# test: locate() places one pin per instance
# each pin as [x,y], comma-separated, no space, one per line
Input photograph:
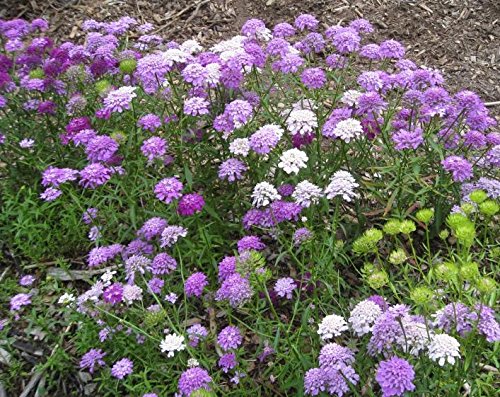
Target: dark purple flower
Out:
[395,377]
[194,284]
[113,294]
[250,243]
[190,204]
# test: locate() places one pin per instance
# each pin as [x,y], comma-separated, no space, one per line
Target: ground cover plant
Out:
[292,211]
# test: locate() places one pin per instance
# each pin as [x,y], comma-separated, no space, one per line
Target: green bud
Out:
[489,207]
[469,271]
[363,245]
[392,227]
[249,261]
[377,279]
[478,196]
[486,285]
[37,74]
[494,253]
[407,227]
[398,256]
[421,296]
[444,234]
[467,208]
[446,271]
[262,275]
[425,215]
[127,66]
[203,393]
[456,220]
[466,234]
[118,136]
[152,319]
[102,86]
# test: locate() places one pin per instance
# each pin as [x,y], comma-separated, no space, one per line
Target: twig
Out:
[4,273]
[495,103]
[171,19]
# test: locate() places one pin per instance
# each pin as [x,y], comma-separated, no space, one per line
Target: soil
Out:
[459,37]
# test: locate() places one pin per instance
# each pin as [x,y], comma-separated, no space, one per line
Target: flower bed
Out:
[288,212]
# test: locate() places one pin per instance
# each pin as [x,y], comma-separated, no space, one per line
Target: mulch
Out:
[459,37]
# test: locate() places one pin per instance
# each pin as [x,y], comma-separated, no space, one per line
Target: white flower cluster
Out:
[264,194]
[351,97]
[306,193]
[172,343]
[191,47]
[66,299]
[131,293]
[444,348]
[301,121]
[415,336]
[363,317]
[293,160]
[342,184]
[240,147]
[331,326]
[348,129]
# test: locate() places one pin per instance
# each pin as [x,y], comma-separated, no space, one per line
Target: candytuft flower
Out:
[172,343]
[331,326]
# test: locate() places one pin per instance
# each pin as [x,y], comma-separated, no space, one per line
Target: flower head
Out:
[172,343]
[444,348]
[395,377]
[331,326]
[122,368]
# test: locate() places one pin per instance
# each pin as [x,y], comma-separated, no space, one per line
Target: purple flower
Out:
[18,301]
[193,379]
[94,175]
[100,255]
[455,316]
[232,170]
[227,362]
[346,40]
[392,49]
[155,285]
[163,264]
[113,294]
[235,289]
[101,148]
[168,190]
[265,138]
[226,267]
[301,235]
[195,333]
[122,368]
[152,228]
[335,356]
[361,25]
[91,359]
[313,78]
[289,63]
[195,284]
[196,106]
[395,377]
[239,112]
[283,30]
[306,21]
[27,280]
[229,338]
[120,99]
[150,122]
[56,176]
[190,204]
[405,139]
[154,147]
[460,168]
[284,287]
[314,381]
[50,194]
[250,243]
[488,325]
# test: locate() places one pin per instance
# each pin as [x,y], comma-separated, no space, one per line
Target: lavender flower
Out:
[284,287]
[229,338]
[196,106]
[163,264]
[265,138]
[250,243]
[460,168]
[195,333]
[122,368]
[18,301]
[168,190]
[227,362]
[94,175]
[313,78]
[120,99]
[195,284]
[154,147]
[190,204]
[27,280]
[91,359]
[405,139]
[235,289]
[171,234]
[232,170]
[193,379]
[395,376]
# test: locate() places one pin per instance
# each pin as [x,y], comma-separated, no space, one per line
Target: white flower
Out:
[351,97]
[306,193]
[66,299]
[131,293]
[172,343]
[293,160]
[348,129]
[172,297]
[176,55]
[363,316]
[193,362]
[26,143]
[213,73]
[331,326]
[301,121]
[342,184]
[263,194]
[108,276]
[444,348]
[191,46]
[415,336]
[240,146]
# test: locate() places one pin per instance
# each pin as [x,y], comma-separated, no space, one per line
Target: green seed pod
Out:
[446,271]
[425,215]
[362,246]
[398,256]
[377,279]
[478,196]
[467,208]
[444,234]
[421,296]
[489,207]
[466,234]
[456,220]
[407,227]
[469,271]
[128,66]
[152,319]
[486,285]
[102,86]
[37,73]
[392,227]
